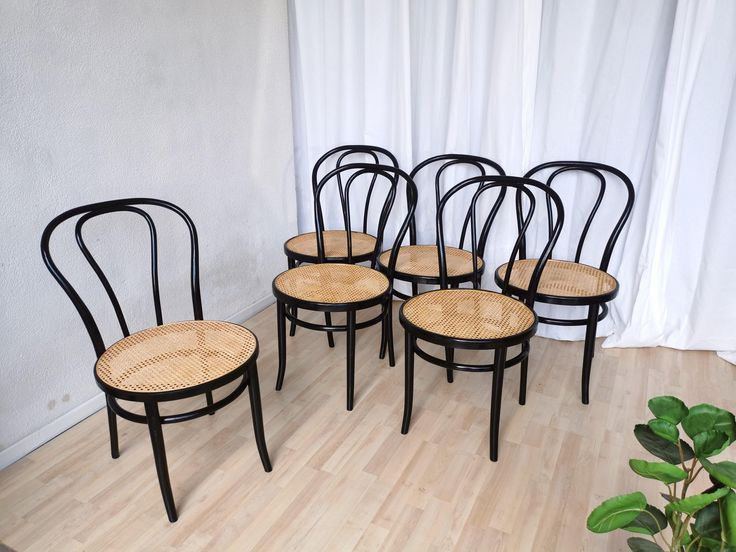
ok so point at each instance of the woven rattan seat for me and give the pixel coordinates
(561, 278)
(468, 314)
(421, 260)
(336, 244)
(175, 356)
(332, 283)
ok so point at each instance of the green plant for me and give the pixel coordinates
(704, 522)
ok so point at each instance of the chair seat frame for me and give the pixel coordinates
(294, 259)
(287, 306)
(448, 160)
(499, 346)
(414, 279)
(248, 371)
(597, 305)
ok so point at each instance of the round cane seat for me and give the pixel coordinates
(336, 244)
(175, 356)
(561, 278)
(332, 283)
(421, 260)
(468, 314)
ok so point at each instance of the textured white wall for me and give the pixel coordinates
(183, 100)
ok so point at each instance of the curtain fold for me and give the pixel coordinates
(647, 87)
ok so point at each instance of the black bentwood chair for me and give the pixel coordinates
(572, 282)
(344, 287)
(303, 248)
(478, 318)
(418, 264)
(169, 361)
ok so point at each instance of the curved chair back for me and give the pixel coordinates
(87, 212)
(526, 204)
(599, 171)
(392, 176)
(345, 155)
(438, 167)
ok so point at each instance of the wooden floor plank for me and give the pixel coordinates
(349, 480)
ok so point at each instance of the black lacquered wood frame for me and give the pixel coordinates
(441, 163)
(412, 332)
(597, 304)
(287, 306)
(482, 165)
(341, 156)
(247, 373)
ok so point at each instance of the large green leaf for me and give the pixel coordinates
(664, 429)
(661, 471)
(692, 504)
(725, 471)
(660, 447)
(709, 443)
(638, 544)
(616, 512)
(728, 517)
(707, 544)
(650, 522)
(668, 408)
(706, 417)
(708, 522)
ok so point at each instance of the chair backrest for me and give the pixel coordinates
(599, 171)
(525, 203)
(437, 167)
(392, 177)
(87, 212)
(349, 154)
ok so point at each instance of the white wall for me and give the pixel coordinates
(183, 100)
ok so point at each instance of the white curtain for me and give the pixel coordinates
(648, 87)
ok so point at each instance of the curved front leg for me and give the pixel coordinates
(254, 393)
(153, 419)
(281, 331)
(499, 363)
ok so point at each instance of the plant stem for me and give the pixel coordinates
(697, 472)
(682, 455)
(683, 528)
(691, 475)
(696, 539)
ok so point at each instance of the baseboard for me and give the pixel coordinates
(251, 310)
(30, 443)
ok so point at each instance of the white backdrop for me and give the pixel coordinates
(648, 87)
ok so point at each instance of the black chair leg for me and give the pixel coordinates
(292, 328)
(499, 362)
(330, 338)
(523, 374)
(210, 401)
(159, 455)
(450, 357)
(414, 289)
(408, 381)
(293, 311)
(281, 331)
(351, 358)
(588, 351)
(112, 424)
(384, 342)
(390, 332)
(254, 393)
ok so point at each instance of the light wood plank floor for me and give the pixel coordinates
(349, 480)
